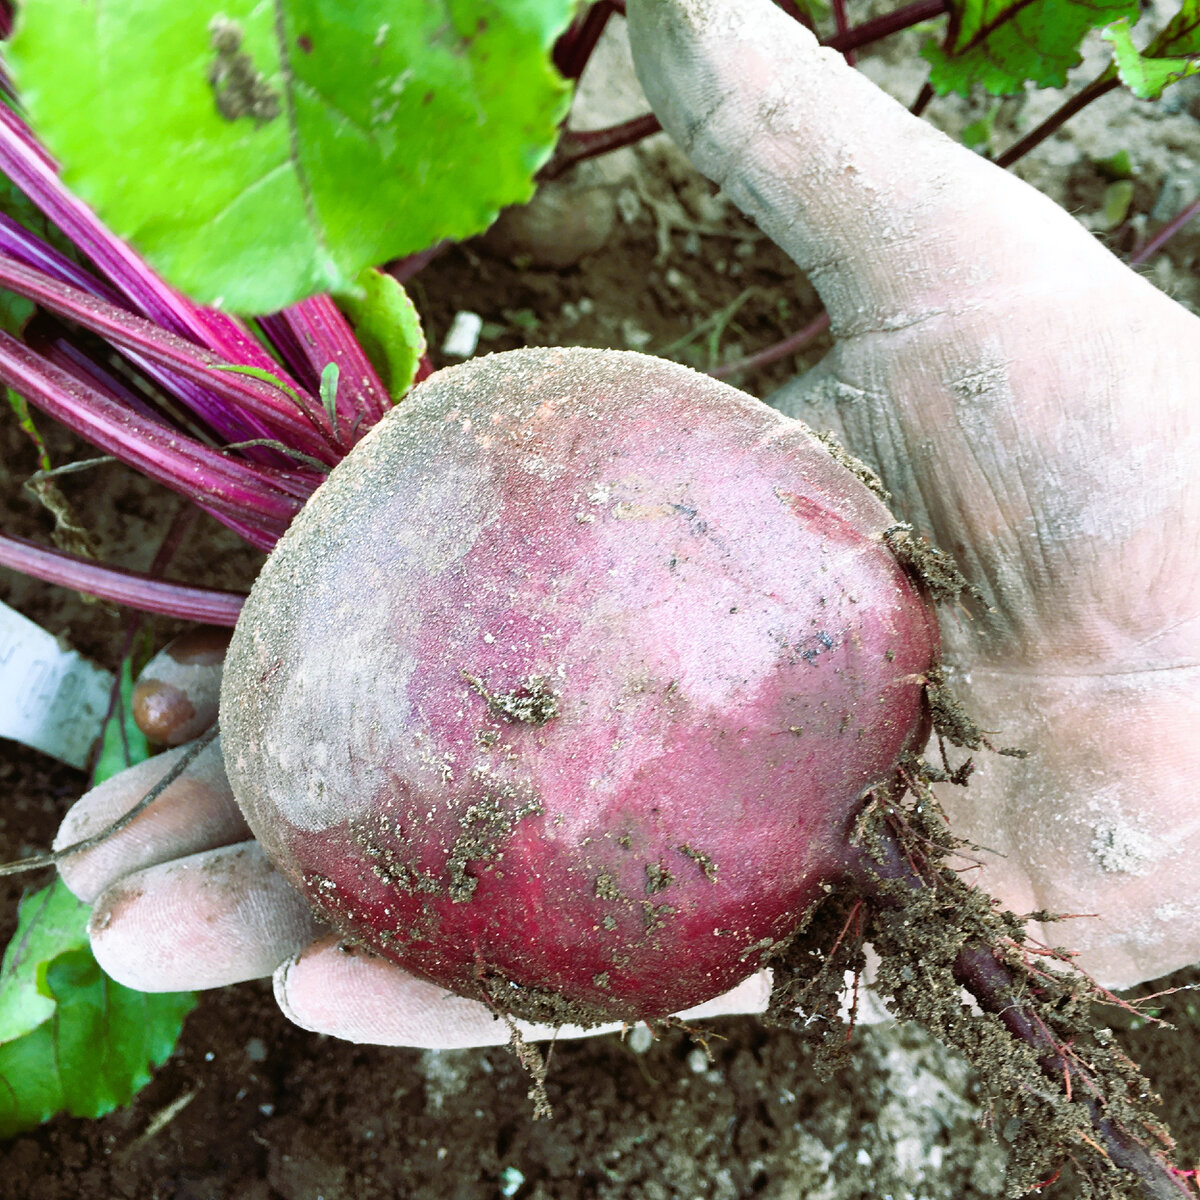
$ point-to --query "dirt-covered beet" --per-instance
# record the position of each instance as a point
(563, 690)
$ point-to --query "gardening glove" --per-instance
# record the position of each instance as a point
(1031, 404)
(184, 898)
(1025, 397)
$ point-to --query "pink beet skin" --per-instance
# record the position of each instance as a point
(565, 688)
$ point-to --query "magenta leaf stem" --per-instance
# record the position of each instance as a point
(789, 345)
(223, 482)
(313, 333)
(1164, 235)
(230, 424)
(575, 46)
(306, 429)
(47, 337)
(843, 28)
(28, 165)
(119, 586)
(886, 24)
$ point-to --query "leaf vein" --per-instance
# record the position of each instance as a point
(335, 108)
(261, 181)
(289, 93)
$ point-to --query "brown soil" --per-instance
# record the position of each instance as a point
(251, 1107)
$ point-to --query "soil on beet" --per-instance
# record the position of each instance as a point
(253, 1108)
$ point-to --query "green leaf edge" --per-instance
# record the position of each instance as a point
(1146, 74)
(247, 295)
(388, 327)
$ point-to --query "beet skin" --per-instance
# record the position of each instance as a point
(564, 689)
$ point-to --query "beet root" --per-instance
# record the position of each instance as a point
(563, 690)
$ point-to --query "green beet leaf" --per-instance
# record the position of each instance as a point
(1181, 34)
(257, 153)
(1173, 55)
(15, 310)
(96, 1049)
(387, 326)
(17, 402)
(49, 923)
(123, 743)
(71, 1039)
(30, 1092)
(978, 134)
(1001, 45)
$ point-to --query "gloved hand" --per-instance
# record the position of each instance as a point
(1030, 402)
(1026, 399)
(185, 898)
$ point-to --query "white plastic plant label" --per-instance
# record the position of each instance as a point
(462, 340)
(50, 698)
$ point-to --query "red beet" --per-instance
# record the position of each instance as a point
(564, 689)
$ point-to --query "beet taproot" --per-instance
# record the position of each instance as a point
(564, 689)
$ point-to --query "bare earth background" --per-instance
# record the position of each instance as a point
(250, 1107)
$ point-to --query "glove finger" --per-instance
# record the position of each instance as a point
(178, 692)
(196, 812)
(982, 339)
(350, 994)
(204, 921)
(880, 209)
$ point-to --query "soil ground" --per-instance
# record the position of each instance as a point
(251, 1107)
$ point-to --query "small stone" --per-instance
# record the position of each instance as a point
(640, 1039)
(462, 340)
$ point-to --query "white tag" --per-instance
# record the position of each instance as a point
(50, 698)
